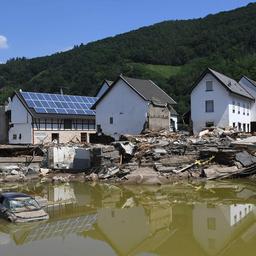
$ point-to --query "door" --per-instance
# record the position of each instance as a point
(55, 137)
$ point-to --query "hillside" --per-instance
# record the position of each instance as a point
(172, 53)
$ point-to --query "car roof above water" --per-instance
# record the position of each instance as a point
(11, 195)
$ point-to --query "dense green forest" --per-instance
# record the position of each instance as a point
(172, 53)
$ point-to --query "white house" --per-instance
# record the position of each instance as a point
(131, 105)
(250, 86)
(220, 101)
(43, 117)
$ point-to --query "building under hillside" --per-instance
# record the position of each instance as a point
(131, 105)
(220, 101)
(43, 117)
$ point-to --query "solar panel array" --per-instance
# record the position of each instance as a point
(46, 103)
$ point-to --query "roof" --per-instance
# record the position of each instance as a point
(146, 89)
(14, 195)
(48, 105)
(108, 82)
(230, 84)
(250, 80)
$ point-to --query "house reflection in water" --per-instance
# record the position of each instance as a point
(110, 220)
(215, 226)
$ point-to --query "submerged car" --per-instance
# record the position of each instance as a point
(19, 207)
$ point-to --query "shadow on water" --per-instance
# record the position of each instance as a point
(213, 218)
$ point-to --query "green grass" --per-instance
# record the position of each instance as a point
(164, 71)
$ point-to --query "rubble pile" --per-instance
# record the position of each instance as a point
(150, 158)
(163, 157)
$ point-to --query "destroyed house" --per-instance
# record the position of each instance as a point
(131, 105)
(219, 101)
(38, 118)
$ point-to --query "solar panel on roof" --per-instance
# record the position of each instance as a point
(59, 104)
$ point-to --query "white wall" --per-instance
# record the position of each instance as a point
(22, 123)
(252, 90)
(175, 119)
(102, 90)
(223, 115)
(198, 97)
(128, 109)
(244, 117)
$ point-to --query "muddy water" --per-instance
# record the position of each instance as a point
(202, 219)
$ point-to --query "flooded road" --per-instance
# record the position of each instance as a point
(182, 219)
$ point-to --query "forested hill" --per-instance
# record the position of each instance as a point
(172, 53)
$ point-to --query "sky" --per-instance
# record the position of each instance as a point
(32, 28)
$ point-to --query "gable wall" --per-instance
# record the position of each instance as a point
(128, 109)
(22, 123)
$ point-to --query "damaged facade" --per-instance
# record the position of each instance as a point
(131, 105)
(38, 118)
(220, 101)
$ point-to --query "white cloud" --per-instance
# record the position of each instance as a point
(3, 42)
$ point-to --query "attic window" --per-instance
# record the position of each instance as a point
(209, 86)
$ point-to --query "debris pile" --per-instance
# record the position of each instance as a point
(163, 157)
(150, 158)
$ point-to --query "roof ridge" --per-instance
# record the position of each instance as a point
(236, 87)
(58, 94)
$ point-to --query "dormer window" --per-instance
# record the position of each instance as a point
(209, 86)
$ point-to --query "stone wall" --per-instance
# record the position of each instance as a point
(158, 118)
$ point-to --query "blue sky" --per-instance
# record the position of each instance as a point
(34, 28)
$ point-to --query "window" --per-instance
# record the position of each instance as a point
(248, 108)
(234, 107)
(99, 130)
(14, 136)
(238, 105)
(209, 86)
(111, 120)
(243, 108)
(83, 137)
(239, 126)
(67, 124)
(211, 223)
(234, 125)
(209, 106)
(20, 136)
(209, 124)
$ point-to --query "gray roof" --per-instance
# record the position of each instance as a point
(232, 85)
(250, 80)
(148, 90)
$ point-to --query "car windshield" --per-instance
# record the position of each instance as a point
(23, 204)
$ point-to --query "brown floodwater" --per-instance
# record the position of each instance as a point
(215, 218)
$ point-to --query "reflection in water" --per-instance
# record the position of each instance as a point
(211, 219)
